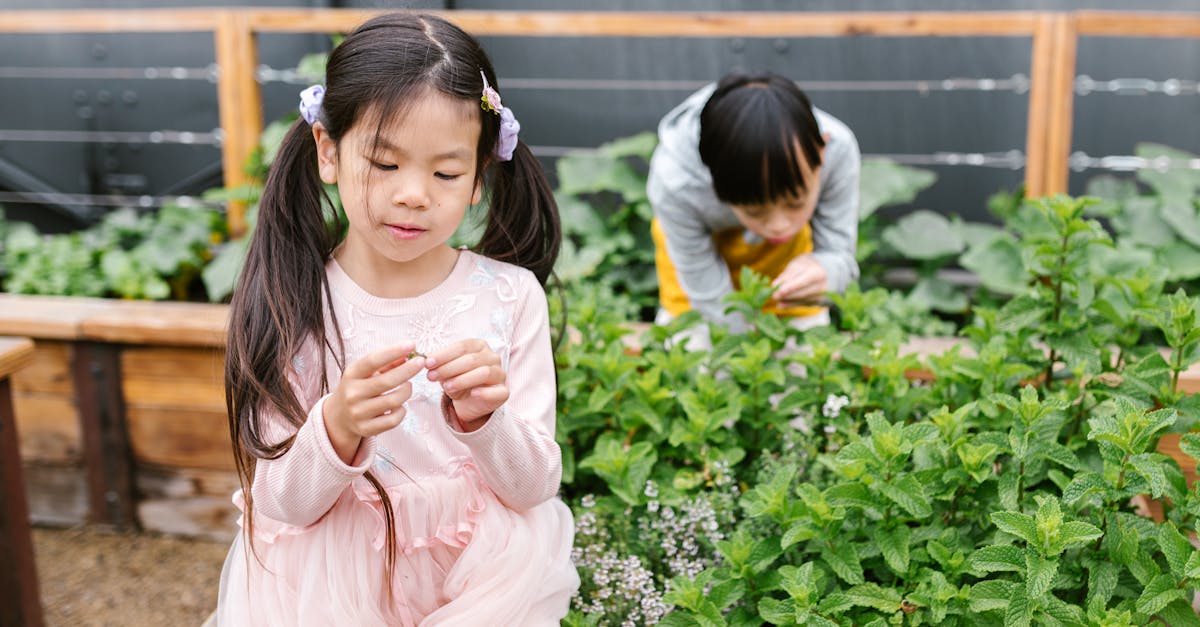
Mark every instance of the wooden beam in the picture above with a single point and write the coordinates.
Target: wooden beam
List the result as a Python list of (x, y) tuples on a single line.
[(240, 100), (1037, 131), (1121, 24), (116, 21), (1061, 106), (19, 598), (674, 23)]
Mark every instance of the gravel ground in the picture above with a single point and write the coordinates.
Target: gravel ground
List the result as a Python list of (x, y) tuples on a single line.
[(93, 577)]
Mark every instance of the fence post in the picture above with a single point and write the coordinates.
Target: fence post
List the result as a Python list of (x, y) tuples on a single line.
[(1062, 103), (240, 101)]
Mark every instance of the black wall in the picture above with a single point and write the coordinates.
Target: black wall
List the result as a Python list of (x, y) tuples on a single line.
[(663, 70)]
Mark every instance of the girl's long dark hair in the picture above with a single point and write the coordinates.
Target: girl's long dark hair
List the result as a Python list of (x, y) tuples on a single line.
[(281, 296)]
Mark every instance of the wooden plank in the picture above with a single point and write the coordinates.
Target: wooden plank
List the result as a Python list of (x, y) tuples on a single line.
[(147, 394), (674, 23), (48, 426), (165, 323), (1041, 97), (171, 363), (111, 21), (180, 438), (19, 599), (1062, 92), (1129, 24), (15, 353), (47, 317), (49, 372), (240, 105)]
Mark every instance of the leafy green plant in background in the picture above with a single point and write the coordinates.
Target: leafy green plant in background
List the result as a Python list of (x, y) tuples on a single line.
[(153, 256), (1158, 220), (998, 493)]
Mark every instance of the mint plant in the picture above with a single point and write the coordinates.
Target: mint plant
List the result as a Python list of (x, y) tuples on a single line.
[(997, 492)]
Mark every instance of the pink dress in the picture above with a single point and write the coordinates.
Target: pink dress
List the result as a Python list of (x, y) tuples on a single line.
[(482, 538)]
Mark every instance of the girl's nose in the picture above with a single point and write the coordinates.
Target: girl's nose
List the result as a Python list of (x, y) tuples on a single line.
[(410, 191)]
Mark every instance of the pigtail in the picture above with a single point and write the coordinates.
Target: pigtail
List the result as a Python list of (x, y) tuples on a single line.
[(522, 225), (276, 305)]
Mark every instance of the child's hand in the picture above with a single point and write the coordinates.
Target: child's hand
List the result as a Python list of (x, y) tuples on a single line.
[(803, 281), (472, 378), (370, 397)]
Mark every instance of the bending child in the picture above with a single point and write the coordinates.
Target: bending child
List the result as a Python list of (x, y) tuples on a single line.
[(748, 173), (391, 398)]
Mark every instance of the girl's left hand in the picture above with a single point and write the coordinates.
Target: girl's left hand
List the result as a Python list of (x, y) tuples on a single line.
[(803, 282), (472, 378)]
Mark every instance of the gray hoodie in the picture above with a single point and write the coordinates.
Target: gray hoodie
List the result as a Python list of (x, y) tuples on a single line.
[(681, 192)]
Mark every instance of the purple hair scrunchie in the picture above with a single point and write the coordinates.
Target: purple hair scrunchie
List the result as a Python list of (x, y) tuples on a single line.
[(509, 127), (310, 103)]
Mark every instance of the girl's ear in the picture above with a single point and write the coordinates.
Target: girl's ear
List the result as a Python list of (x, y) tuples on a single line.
[(326, 154)]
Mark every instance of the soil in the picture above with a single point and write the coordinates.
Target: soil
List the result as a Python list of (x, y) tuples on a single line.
[(88, 576)]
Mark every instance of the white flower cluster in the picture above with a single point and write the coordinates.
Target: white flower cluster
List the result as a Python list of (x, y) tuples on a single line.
[(678, 533), (621, 588), (834, 404)]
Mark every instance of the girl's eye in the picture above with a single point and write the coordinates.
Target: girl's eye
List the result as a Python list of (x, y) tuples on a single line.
[(446, 177), (383, 166)]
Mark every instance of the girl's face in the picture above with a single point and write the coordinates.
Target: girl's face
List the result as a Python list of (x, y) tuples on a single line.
[(406, 194), (779, 221)]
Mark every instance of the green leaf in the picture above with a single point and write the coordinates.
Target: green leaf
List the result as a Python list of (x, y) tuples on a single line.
[(1175, 547), (872, 595), (1158, 594), (998, 557), (1190, 444), (777, 612), (1017, 524), (1102, 582), (1078, 532), (1150, 466), (842, 559), (1020, 611), (1083, 484), (1180, 614), (991, 595), (998, 265), (1039, 575), (924, 235), (894, 546), (883, 182), (908, 494)]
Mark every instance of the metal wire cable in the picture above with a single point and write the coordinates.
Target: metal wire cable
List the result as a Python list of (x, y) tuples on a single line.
[(211, 138), (177, 73)]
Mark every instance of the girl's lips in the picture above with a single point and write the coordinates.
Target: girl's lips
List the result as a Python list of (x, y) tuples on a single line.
[(405, 231)]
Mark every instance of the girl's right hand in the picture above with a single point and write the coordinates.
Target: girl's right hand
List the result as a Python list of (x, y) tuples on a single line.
[(370, 398)]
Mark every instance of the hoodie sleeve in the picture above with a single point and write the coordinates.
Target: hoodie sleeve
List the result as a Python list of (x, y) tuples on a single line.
[(835, 221), (702, 273)]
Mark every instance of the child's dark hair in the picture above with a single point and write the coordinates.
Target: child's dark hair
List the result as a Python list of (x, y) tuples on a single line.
[(278, 304), (749, 130)]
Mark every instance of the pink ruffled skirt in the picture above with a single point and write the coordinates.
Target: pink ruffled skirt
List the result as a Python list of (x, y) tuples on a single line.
[(463, 558)]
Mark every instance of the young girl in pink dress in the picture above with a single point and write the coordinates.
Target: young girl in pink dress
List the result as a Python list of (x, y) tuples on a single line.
[(391, 398)]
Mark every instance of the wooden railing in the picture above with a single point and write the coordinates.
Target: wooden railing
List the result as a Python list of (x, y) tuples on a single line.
[(1054, 37)]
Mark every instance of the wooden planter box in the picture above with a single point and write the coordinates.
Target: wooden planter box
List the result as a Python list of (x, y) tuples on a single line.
[(121, 414)]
